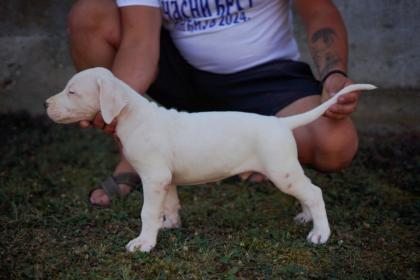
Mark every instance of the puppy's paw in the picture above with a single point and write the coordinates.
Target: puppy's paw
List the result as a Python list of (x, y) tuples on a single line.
[(171, 221), (319, 236), (140, 244), (303, 218)]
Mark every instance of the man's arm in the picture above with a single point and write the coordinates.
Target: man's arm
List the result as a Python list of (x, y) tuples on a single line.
[(327, 41), (137, 58)]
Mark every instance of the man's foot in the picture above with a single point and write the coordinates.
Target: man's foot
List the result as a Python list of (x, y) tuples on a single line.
[(120, 184), (252, 177)]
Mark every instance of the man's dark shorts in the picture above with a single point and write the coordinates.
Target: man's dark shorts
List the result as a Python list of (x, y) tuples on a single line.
[(263, 89)]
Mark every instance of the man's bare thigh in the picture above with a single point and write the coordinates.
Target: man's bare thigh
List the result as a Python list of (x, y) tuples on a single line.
[(319, 135)]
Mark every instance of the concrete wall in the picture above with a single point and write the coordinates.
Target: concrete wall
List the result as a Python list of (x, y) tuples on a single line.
[(384, 50), (34, 59)]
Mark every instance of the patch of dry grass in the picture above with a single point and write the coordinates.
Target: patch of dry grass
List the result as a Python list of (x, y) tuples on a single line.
[(230, 230)]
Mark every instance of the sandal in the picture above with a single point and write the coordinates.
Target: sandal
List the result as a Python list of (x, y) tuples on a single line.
[(110, 186)]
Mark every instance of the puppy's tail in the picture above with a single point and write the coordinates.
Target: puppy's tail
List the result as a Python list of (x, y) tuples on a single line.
[(307, 117)]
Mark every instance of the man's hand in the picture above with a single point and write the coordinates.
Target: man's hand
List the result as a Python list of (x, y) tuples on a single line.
[(99, 122), (346, 104), (327, 42)]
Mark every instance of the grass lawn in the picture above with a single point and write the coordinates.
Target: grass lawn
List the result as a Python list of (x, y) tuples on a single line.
[(230, 230)]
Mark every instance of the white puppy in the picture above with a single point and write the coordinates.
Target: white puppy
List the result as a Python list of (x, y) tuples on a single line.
[(169, 148)]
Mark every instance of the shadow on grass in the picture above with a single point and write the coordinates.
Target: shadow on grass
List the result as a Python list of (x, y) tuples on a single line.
[(230, 230)]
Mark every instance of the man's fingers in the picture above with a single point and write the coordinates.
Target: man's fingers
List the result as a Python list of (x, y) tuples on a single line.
[(348, 98), (346, 104), (339, 112), (84, 124), (342, 109), (110, 129), (98, 121), (334, 116), (345, 99), (256, 178)]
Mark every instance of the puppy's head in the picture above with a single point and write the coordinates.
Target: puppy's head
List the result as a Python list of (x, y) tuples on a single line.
[(87, 93)]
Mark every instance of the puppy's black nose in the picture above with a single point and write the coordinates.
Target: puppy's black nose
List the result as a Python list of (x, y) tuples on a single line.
[(45, 104)]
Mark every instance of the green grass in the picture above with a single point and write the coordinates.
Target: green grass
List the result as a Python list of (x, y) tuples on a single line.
[(230, 230)]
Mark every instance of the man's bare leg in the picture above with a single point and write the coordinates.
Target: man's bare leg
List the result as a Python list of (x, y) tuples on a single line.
[(94, 31), (325, 144)]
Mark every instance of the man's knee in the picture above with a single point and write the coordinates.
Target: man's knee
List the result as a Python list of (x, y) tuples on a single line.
[(94, 17), (336, 151)]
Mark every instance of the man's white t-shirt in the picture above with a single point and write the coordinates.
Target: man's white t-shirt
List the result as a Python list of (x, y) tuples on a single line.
[(227, 36)]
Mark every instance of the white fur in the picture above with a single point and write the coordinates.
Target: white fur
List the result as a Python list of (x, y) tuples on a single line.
[(169, 148)]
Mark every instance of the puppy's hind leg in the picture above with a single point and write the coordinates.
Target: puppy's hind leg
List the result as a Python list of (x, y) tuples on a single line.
[(303, 217), (171, 208), (295, 183)]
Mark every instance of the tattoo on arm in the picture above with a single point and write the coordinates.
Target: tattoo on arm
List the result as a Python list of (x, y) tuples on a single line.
[(323, 53)]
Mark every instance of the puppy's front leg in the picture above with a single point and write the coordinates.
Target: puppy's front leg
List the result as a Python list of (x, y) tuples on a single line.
[(154, 193)]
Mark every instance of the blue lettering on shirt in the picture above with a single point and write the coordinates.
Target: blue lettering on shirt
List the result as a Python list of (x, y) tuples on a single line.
[(205, 8), (196, 15)]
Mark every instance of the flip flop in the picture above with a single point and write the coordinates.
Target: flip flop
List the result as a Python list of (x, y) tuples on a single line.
[(110, 186)]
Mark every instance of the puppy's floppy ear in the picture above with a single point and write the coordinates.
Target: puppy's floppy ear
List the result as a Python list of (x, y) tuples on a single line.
[(111, 100)]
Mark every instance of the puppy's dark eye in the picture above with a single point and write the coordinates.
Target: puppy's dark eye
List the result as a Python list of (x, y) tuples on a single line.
[(72, 92)]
